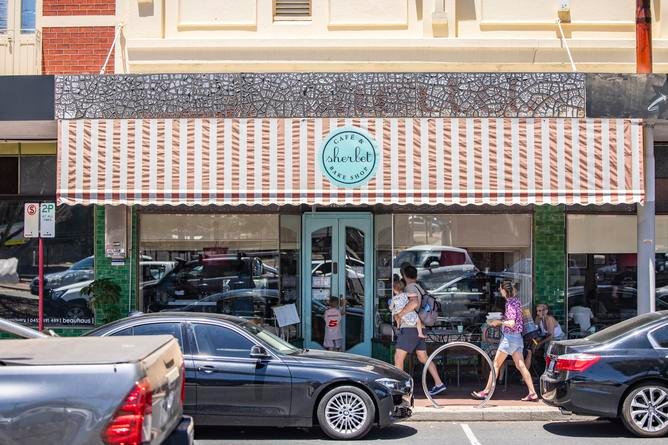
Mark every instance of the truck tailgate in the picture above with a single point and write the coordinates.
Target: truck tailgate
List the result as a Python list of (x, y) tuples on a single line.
[(165, 372)]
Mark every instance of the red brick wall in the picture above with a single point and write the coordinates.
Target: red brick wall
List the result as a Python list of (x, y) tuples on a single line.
[(73, 50), (78, 7)]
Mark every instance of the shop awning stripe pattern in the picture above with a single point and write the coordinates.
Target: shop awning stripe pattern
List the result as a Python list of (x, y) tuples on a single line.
[(423, 161)]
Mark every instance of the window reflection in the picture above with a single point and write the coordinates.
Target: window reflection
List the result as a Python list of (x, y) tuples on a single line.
[(461, 259), (227, 264)]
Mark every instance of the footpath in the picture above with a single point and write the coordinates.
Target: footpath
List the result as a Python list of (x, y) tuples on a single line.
[(457, 406)]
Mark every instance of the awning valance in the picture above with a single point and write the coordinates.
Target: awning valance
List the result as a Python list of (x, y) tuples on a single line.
[(421, 161)]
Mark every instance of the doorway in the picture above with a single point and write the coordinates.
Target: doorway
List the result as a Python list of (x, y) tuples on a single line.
[(337, 271)]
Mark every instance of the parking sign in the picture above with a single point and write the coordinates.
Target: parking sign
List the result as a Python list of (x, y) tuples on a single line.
[(47, 220), (31, 220)]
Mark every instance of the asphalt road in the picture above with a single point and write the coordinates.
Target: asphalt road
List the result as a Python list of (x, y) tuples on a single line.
[(451, 433)]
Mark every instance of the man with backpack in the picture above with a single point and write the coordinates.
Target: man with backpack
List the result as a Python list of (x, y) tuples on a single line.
[(408, 340)]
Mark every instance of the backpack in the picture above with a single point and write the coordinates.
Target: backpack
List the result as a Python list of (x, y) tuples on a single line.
[(429, 308)]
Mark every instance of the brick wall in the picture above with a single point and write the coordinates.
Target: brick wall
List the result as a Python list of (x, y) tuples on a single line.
[(549, 250), (77, 50), (126, 275), (78, 7)]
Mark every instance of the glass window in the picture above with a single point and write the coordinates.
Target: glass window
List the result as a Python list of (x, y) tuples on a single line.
[(28, 16), (126, 331), (235, 264), (602, 272), (173, 329), (620, 329), (3, 16), (218, 341), (37, 175), (9, 172), (68, 267), (661, 262), (660, 336), (460, 259)]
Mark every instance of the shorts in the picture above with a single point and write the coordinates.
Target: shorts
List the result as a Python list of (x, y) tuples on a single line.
[(511, 343), (336, 343), (408, 340)]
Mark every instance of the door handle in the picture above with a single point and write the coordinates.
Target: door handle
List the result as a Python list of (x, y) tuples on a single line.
[(335, 267), (207, 369)]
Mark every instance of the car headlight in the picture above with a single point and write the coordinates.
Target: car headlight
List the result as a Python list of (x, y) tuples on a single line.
[(53, 282), (394, 385)]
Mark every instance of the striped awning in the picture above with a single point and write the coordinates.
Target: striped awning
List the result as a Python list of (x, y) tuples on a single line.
[(422, 161)]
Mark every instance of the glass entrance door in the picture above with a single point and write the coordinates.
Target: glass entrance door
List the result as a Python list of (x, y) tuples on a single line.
[(337, 271)]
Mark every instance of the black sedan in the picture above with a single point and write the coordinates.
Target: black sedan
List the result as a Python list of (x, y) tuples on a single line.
[(240, 374), (620, 372)]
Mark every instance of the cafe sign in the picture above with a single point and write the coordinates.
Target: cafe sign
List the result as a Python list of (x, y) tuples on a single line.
[(349, 157)]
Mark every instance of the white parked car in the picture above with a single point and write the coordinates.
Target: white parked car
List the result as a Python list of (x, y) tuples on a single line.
[(443, 258)]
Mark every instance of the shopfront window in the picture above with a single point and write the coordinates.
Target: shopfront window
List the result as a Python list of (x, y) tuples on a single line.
[(461, 260), (236, 264), (68, 268), (661, 263), (602, 272)]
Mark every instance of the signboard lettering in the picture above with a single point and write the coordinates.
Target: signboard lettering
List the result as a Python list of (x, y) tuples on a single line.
[(348, 157)]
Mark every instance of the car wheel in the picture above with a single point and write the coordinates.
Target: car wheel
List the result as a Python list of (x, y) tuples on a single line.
[(346, 412), (645, 410), (78, 311)]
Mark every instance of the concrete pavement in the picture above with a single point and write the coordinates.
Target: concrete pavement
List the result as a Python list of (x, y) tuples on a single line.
[(457, 406)]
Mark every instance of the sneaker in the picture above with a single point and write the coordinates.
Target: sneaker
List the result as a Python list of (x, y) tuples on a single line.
[(437, 389)]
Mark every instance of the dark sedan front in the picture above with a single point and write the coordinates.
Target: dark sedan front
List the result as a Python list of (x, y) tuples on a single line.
[(619, 372), (240, 374)]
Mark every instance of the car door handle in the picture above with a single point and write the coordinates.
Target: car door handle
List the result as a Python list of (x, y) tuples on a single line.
[(207, 369)]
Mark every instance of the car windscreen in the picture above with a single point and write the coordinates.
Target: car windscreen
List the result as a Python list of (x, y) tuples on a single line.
[(278, 344), (85, 264), (624, 327)]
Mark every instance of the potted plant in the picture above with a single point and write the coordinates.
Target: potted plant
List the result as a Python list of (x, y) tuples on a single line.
[(105, 296)]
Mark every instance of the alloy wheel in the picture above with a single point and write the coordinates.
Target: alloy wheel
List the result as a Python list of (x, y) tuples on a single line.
[(649, 409), (346, 413)]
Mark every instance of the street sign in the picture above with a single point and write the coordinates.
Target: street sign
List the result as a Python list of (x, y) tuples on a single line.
[(31, 220), (47, 220)]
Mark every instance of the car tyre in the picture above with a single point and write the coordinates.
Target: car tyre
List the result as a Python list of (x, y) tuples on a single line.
[(346, 412), (77, 310), (645, 410)]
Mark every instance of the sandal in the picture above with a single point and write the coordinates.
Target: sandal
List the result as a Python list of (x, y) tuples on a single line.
[(533, 397), (480, 395)]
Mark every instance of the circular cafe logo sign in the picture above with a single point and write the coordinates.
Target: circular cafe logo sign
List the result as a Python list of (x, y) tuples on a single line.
[(349, 157)]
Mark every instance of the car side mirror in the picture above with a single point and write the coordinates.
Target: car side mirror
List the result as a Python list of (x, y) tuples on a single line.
[(258, 352)]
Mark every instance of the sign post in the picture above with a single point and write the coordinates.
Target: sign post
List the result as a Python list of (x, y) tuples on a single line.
[(39, 221)]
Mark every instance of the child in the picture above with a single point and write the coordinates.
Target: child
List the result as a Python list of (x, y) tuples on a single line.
[(399, 301), (333, 337)]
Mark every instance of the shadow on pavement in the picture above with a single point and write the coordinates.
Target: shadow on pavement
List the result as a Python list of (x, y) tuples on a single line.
[(247, 433), (596, 428)]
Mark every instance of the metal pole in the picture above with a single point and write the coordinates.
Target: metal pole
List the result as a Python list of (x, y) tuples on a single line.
[(40, 319), (646, 228), (646, 211)]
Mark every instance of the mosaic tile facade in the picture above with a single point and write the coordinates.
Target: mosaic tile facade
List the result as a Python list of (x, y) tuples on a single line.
[(321, 95)]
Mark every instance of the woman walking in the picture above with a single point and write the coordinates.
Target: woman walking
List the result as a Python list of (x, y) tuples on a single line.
[(511, 344)]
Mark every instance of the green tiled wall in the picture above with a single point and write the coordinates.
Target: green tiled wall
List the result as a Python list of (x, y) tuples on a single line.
[(549, 251), (382, 351), (126, 275)]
